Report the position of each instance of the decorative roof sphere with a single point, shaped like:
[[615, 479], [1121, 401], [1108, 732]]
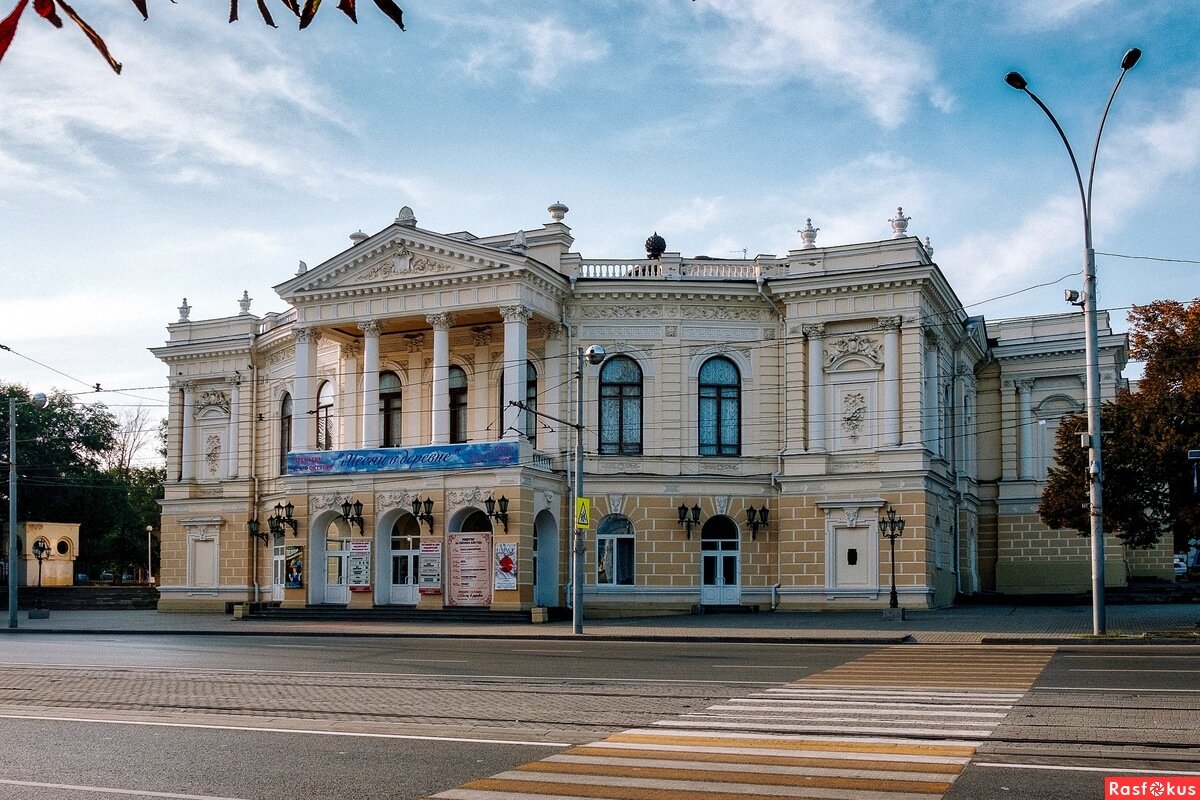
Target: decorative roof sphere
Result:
[[656, 246]]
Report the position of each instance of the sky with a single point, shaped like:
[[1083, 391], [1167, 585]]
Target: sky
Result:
[[224, 154]]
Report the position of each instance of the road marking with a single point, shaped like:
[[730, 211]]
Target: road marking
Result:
[[1139, 690], [548, 652], [789, 667], [1068, 768], [1098, 669], [267, 729], [113, 790], [431, 660]]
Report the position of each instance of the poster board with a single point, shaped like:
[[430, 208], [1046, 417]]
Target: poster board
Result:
[[294, 556], [429, 576], [504, 571], [470, 569], [360, 565]]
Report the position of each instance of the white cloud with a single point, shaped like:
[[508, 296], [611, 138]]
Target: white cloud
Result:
[[68, 117], [698, 215], [1135, 160], [537, 51], [838, 47], [1039, 14]]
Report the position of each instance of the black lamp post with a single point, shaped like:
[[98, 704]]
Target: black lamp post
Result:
[[891, 527], [353, 513], [41, 552], [423, 511], [500, 516], [1091, 356], [282, 517], [757, 517], [689, 517]]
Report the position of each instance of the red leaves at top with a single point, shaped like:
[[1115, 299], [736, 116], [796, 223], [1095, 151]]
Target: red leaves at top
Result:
[[8, 26], [47, 10]]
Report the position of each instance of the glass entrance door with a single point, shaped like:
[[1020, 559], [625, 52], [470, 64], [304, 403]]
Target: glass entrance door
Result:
[[405, 558], [719, 553], [337, 573], [278, 572]]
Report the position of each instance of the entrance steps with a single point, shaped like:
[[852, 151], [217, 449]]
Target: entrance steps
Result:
[[472, 616]]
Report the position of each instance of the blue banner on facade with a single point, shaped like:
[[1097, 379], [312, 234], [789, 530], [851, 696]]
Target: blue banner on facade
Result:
[[404, 459]]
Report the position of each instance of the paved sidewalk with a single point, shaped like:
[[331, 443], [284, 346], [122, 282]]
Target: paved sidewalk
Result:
[[1141, 623]]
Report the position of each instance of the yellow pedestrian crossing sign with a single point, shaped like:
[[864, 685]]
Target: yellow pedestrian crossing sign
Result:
[[583, 512]]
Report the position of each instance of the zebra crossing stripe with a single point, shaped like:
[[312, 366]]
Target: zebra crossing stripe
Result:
[[823, 744]]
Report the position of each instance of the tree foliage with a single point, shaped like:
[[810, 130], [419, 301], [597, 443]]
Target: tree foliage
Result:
[[73, 466], [1145, 438], [304, 12]]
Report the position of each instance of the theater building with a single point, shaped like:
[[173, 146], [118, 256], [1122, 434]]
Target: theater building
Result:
[[404, 433]]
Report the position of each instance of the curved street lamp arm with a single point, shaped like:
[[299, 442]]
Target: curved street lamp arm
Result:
[[1084, 197], [1095, 150]]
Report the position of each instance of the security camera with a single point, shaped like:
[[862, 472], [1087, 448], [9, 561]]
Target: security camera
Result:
[[594, 354], [1071, 296]]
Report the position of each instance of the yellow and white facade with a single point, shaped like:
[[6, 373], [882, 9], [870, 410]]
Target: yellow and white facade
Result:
[[392, 407]]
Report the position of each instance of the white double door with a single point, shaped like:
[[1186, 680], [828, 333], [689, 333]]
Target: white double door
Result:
[[337, 571], [719, 557], [406, 556]]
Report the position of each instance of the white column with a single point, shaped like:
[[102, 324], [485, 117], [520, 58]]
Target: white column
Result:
[[816, 388], [1025, 399], [370, 393], [891, 380], [516, 353], [441, 378], [549, 387], [232, 447], [931, 394], [187, 457], [485, 406], [304, 396], [350, 401], [413, 388]]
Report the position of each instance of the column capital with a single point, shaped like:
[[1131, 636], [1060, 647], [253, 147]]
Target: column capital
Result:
[[414, 342], [814, 330], [891, 323], [352, 349], [370, 328], [552, 330], [516, 313], [440, 321], [1024, 385], [304, 335], [931, 336]]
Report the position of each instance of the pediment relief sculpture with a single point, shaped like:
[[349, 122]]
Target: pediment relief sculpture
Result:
[[402, 263]]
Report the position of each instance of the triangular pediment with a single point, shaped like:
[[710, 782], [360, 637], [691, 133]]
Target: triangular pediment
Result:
[[396, 256]]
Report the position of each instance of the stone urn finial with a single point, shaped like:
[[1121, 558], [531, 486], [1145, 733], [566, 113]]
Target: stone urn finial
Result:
[[244, 303], [303, 268], [557, 211], [358, 237], [808, 235], [900, 224], [928, 247], [184, 311], [656, 246]]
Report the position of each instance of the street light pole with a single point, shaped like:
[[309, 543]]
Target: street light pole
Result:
[[1091, 340], [592, 355], [150, 556]]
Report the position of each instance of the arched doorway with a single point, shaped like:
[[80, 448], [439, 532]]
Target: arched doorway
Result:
[[719, 567], [329, 566], [398, 545], [545, 560]]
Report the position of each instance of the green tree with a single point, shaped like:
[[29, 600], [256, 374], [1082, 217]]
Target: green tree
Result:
[[1145, 439]]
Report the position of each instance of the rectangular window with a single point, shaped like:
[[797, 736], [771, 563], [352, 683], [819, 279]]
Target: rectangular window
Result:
[[614, 560]]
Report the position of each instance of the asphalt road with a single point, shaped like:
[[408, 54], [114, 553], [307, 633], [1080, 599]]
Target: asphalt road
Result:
[[279, 717]]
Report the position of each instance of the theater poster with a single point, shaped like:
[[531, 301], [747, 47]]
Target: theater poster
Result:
[[469, 562]]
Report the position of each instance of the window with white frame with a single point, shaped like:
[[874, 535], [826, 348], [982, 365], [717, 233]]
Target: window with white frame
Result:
[[285, 431], [390, 409], [720, 408], [324, 414], [458, 404], [615, 551], [621, 407]]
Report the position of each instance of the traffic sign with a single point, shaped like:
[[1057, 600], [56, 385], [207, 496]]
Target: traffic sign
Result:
[[583, 512]]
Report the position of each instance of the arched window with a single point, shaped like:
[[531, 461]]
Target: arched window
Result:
[[530, 398], [458, 405], [621, 406], [720, 408], [324, 410], [614, 551], [391, 415], [285, 431]]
